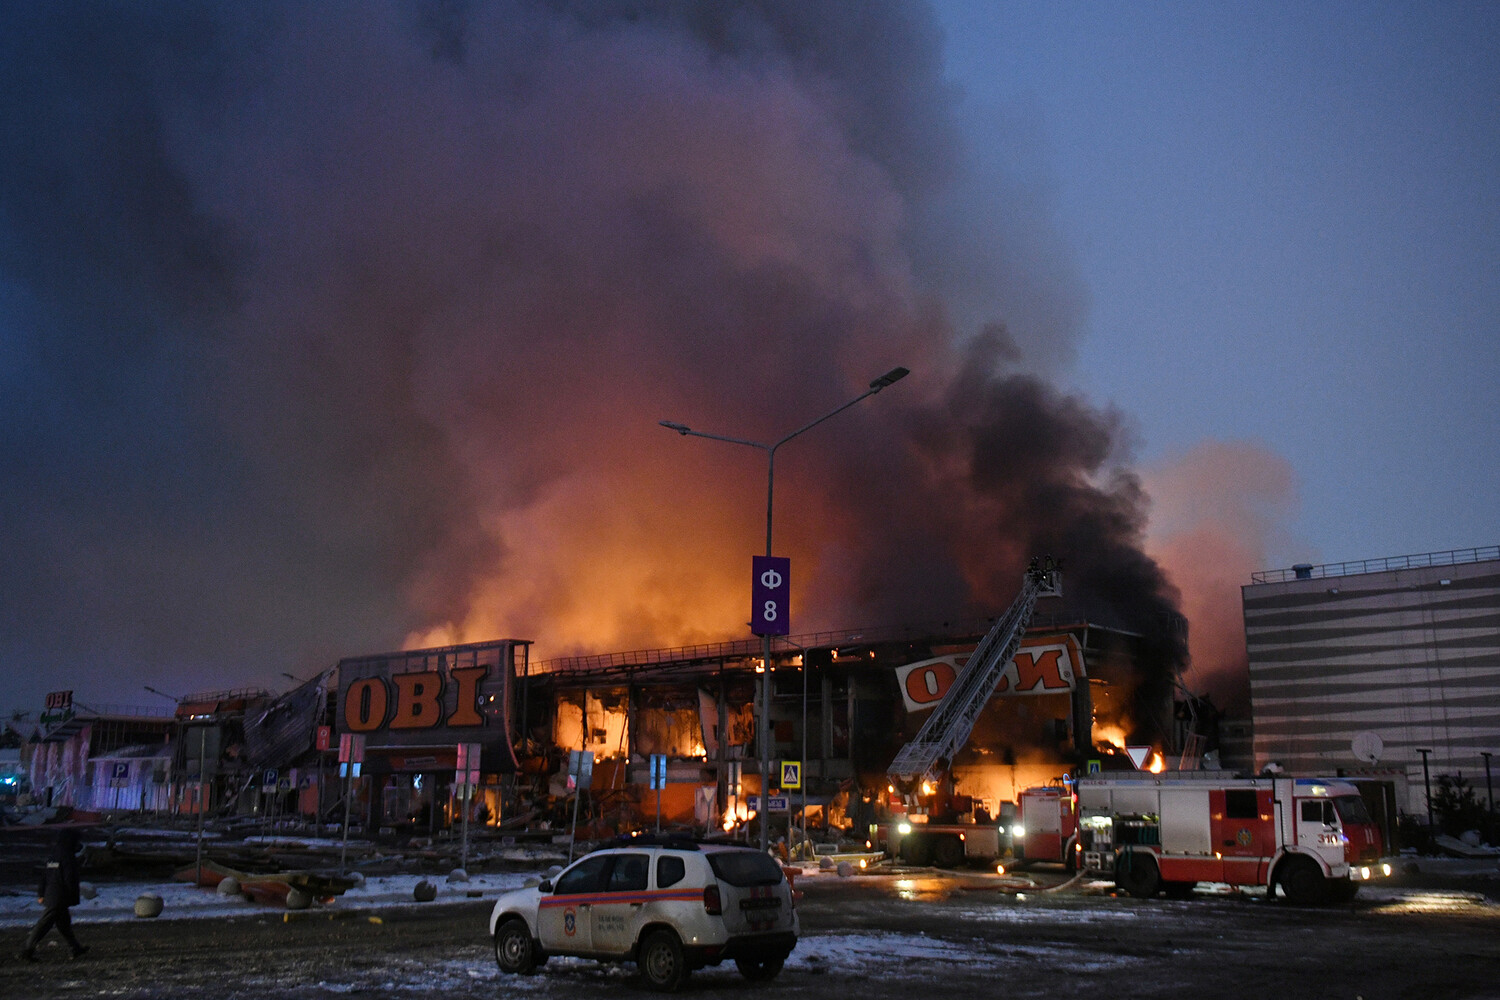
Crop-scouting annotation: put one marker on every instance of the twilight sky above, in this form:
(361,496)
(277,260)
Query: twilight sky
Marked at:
(1286,219)
(327,329)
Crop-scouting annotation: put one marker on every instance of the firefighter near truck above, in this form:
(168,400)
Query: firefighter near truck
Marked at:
(1309,840)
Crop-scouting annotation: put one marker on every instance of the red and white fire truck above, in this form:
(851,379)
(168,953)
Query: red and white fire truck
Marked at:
(1046,826)
(1311,838)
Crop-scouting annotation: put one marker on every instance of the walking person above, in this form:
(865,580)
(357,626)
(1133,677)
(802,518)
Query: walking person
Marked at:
(58,891)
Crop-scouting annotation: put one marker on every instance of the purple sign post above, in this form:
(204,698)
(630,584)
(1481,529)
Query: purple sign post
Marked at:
(770,589)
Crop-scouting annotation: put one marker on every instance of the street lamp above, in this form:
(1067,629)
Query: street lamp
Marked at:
(1426,783)
(806,670)
(763,728)
(1489,790)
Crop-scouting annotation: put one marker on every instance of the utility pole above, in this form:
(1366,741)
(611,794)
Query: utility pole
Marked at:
(1427,784)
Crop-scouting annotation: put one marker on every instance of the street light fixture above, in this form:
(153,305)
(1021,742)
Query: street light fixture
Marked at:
(763,728)
(806,670)
(1427,784)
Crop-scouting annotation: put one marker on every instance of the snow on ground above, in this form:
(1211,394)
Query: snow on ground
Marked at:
(181,901)
(861,955)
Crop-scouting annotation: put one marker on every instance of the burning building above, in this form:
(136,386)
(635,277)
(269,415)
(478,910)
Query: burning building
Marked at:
(842,705)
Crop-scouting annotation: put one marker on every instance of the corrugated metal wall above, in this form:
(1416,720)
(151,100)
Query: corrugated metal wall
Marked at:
(1410,655)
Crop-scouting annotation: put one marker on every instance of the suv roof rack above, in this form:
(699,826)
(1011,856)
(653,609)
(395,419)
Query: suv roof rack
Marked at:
(680,841)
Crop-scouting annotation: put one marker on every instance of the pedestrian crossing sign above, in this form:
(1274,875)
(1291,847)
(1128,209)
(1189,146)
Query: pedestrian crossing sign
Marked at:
(791,774)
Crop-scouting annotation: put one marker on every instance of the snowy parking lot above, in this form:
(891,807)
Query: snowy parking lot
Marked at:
(880,937)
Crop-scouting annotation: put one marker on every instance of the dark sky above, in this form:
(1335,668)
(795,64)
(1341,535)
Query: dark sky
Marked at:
(327,329)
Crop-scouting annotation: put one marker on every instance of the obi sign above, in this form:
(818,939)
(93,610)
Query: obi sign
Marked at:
(1043,665)
(418,700)
(445,697)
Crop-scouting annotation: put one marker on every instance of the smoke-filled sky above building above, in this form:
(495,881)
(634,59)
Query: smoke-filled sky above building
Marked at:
(327,329)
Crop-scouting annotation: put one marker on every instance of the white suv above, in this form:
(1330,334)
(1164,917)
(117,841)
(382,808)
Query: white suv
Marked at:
(670,907)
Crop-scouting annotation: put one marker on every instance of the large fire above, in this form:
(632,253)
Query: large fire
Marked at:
(1109,733)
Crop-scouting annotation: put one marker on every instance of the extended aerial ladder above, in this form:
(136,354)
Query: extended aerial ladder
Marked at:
(947,729)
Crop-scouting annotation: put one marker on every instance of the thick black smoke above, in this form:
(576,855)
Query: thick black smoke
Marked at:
(325,328)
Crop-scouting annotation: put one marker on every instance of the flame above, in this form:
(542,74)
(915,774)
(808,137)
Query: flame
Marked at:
(1157,765)
(1112,734)
(584,577)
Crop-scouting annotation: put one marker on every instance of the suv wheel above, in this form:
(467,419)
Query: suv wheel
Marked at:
(759,970)
(515,952)
(661,961)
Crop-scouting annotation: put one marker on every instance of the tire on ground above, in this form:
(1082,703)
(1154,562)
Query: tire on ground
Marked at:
(1137,874)
(1343,890)
(661,961)
(1302,881)
(948,851)
(759,970)
(917,849)
(515,951)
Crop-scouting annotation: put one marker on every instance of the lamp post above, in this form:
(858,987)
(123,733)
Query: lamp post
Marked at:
(806,669)
(1489,790)
(762,732)
(171,771)
(203,786)
(1426,783)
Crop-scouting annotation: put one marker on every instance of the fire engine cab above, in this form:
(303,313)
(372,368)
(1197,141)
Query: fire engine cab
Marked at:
(1046,828)
(1312,838)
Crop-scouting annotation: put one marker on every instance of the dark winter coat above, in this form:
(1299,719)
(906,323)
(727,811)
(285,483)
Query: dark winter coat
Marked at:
(59,884)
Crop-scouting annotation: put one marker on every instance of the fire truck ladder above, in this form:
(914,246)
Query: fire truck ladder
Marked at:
(947,729)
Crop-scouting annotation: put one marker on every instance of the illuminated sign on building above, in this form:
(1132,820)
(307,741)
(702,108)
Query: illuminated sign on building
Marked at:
(1043,665)
(433,698)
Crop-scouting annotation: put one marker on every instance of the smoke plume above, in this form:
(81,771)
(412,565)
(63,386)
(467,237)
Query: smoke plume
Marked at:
(329,328)
(1217,518)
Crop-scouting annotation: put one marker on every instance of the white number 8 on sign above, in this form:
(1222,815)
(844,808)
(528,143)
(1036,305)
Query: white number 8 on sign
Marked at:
(770,587)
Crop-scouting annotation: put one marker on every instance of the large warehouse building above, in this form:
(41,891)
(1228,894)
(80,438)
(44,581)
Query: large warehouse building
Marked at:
(1367,668)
